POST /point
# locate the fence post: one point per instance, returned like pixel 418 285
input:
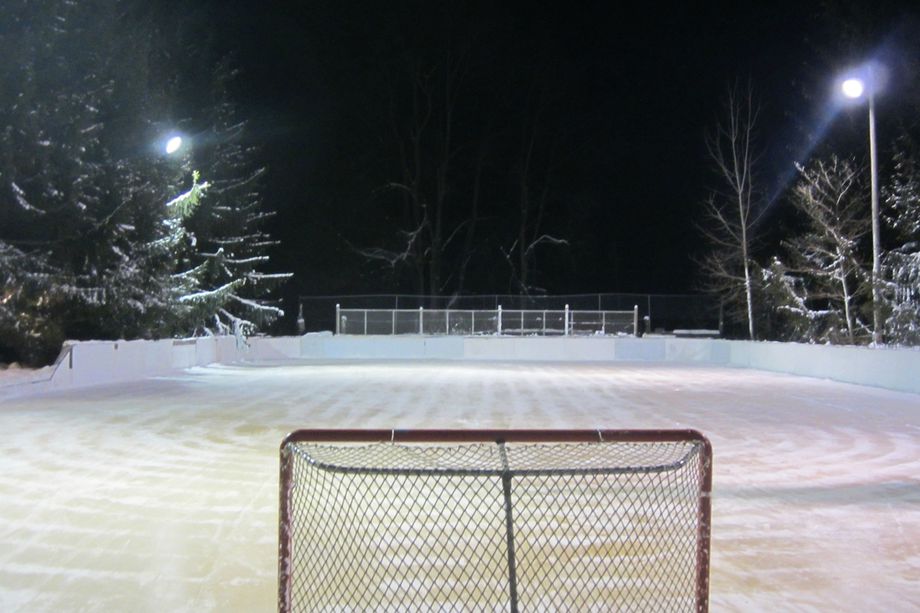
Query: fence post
pixel 394 322
pixel 473 323
pixel 499 320
pixel 338 319
pixel 566 323
pixel 301 324
pixel 636 320
pixel 421 319
pixel 447 321
pixel 365 322
pixel 603 323
pixel 544 323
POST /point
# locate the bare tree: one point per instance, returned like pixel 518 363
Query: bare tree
pixel 533 192
pixel 422 124
pixel 827 256
pixel 734 207
pixel 473 220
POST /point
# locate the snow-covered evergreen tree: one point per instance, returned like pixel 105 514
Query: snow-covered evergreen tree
pixel 161 305
pixel 85 90
pixel 28 300
pixel 54 189
pixel 901 264
pixel 161 288
pixel 232 245
pixel 796 315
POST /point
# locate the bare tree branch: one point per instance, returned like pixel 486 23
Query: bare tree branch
pixel 733 209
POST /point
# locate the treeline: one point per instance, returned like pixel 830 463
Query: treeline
pixel 456 166
pixel 102 234
pixel 820 278
pixel 794 256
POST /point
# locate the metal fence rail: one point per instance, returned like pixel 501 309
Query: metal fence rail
pixel 499 321
pixel 657 312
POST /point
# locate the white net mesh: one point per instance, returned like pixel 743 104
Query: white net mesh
pixel 580 526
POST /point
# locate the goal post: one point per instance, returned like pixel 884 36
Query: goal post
pixel 519 520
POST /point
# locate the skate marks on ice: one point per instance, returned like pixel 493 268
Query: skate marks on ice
pixel 162 494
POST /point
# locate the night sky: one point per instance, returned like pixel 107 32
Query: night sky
pixel 627 94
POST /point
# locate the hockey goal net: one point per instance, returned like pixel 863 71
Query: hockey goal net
pixel 494 520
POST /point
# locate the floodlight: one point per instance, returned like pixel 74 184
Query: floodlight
pixel 173 144
pixel 853 88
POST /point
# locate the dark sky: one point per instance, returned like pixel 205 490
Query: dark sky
pixel 630 93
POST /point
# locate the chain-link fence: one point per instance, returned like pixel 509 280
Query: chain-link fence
pixel 476 322
pixel 512 520
pixel 657 312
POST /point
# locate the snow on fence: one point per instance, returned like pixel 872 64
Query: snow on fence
pixel 473 322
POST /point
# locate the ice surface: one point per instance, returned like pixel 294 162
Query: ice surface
pixel 161 495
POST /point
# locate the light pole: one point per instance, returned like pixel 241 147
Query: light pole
pixel 855 88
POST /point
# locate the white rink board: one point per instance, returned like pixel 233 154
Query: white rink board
pixel 161 494
pixel 87 363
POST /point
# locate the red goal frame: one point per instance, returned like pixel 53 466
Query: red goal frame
pixel 501 436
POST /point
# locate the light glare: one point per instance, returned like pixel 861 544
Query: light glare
pixel 853 88
pixel 173 144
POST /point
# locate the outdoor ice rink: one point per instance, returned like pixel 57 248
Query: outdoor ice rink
pixel 162 495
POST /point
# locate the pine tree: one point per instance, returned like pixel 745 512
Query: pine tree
pixel 85 89
pixel 144 291
pixel 797 315
pixel 232 245
pixel 29 298
pixel 901 264
pixel 54 192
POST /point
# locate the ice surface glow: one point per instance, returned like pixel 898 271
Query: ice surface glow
pixel 162 494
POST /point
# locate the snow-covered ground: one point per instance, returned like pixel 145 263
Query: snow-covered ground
pixel 14 375
pixel 161 495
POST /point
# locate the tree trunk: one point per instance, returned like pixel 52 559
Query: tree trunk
pixel 748 292
pixel 846 304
